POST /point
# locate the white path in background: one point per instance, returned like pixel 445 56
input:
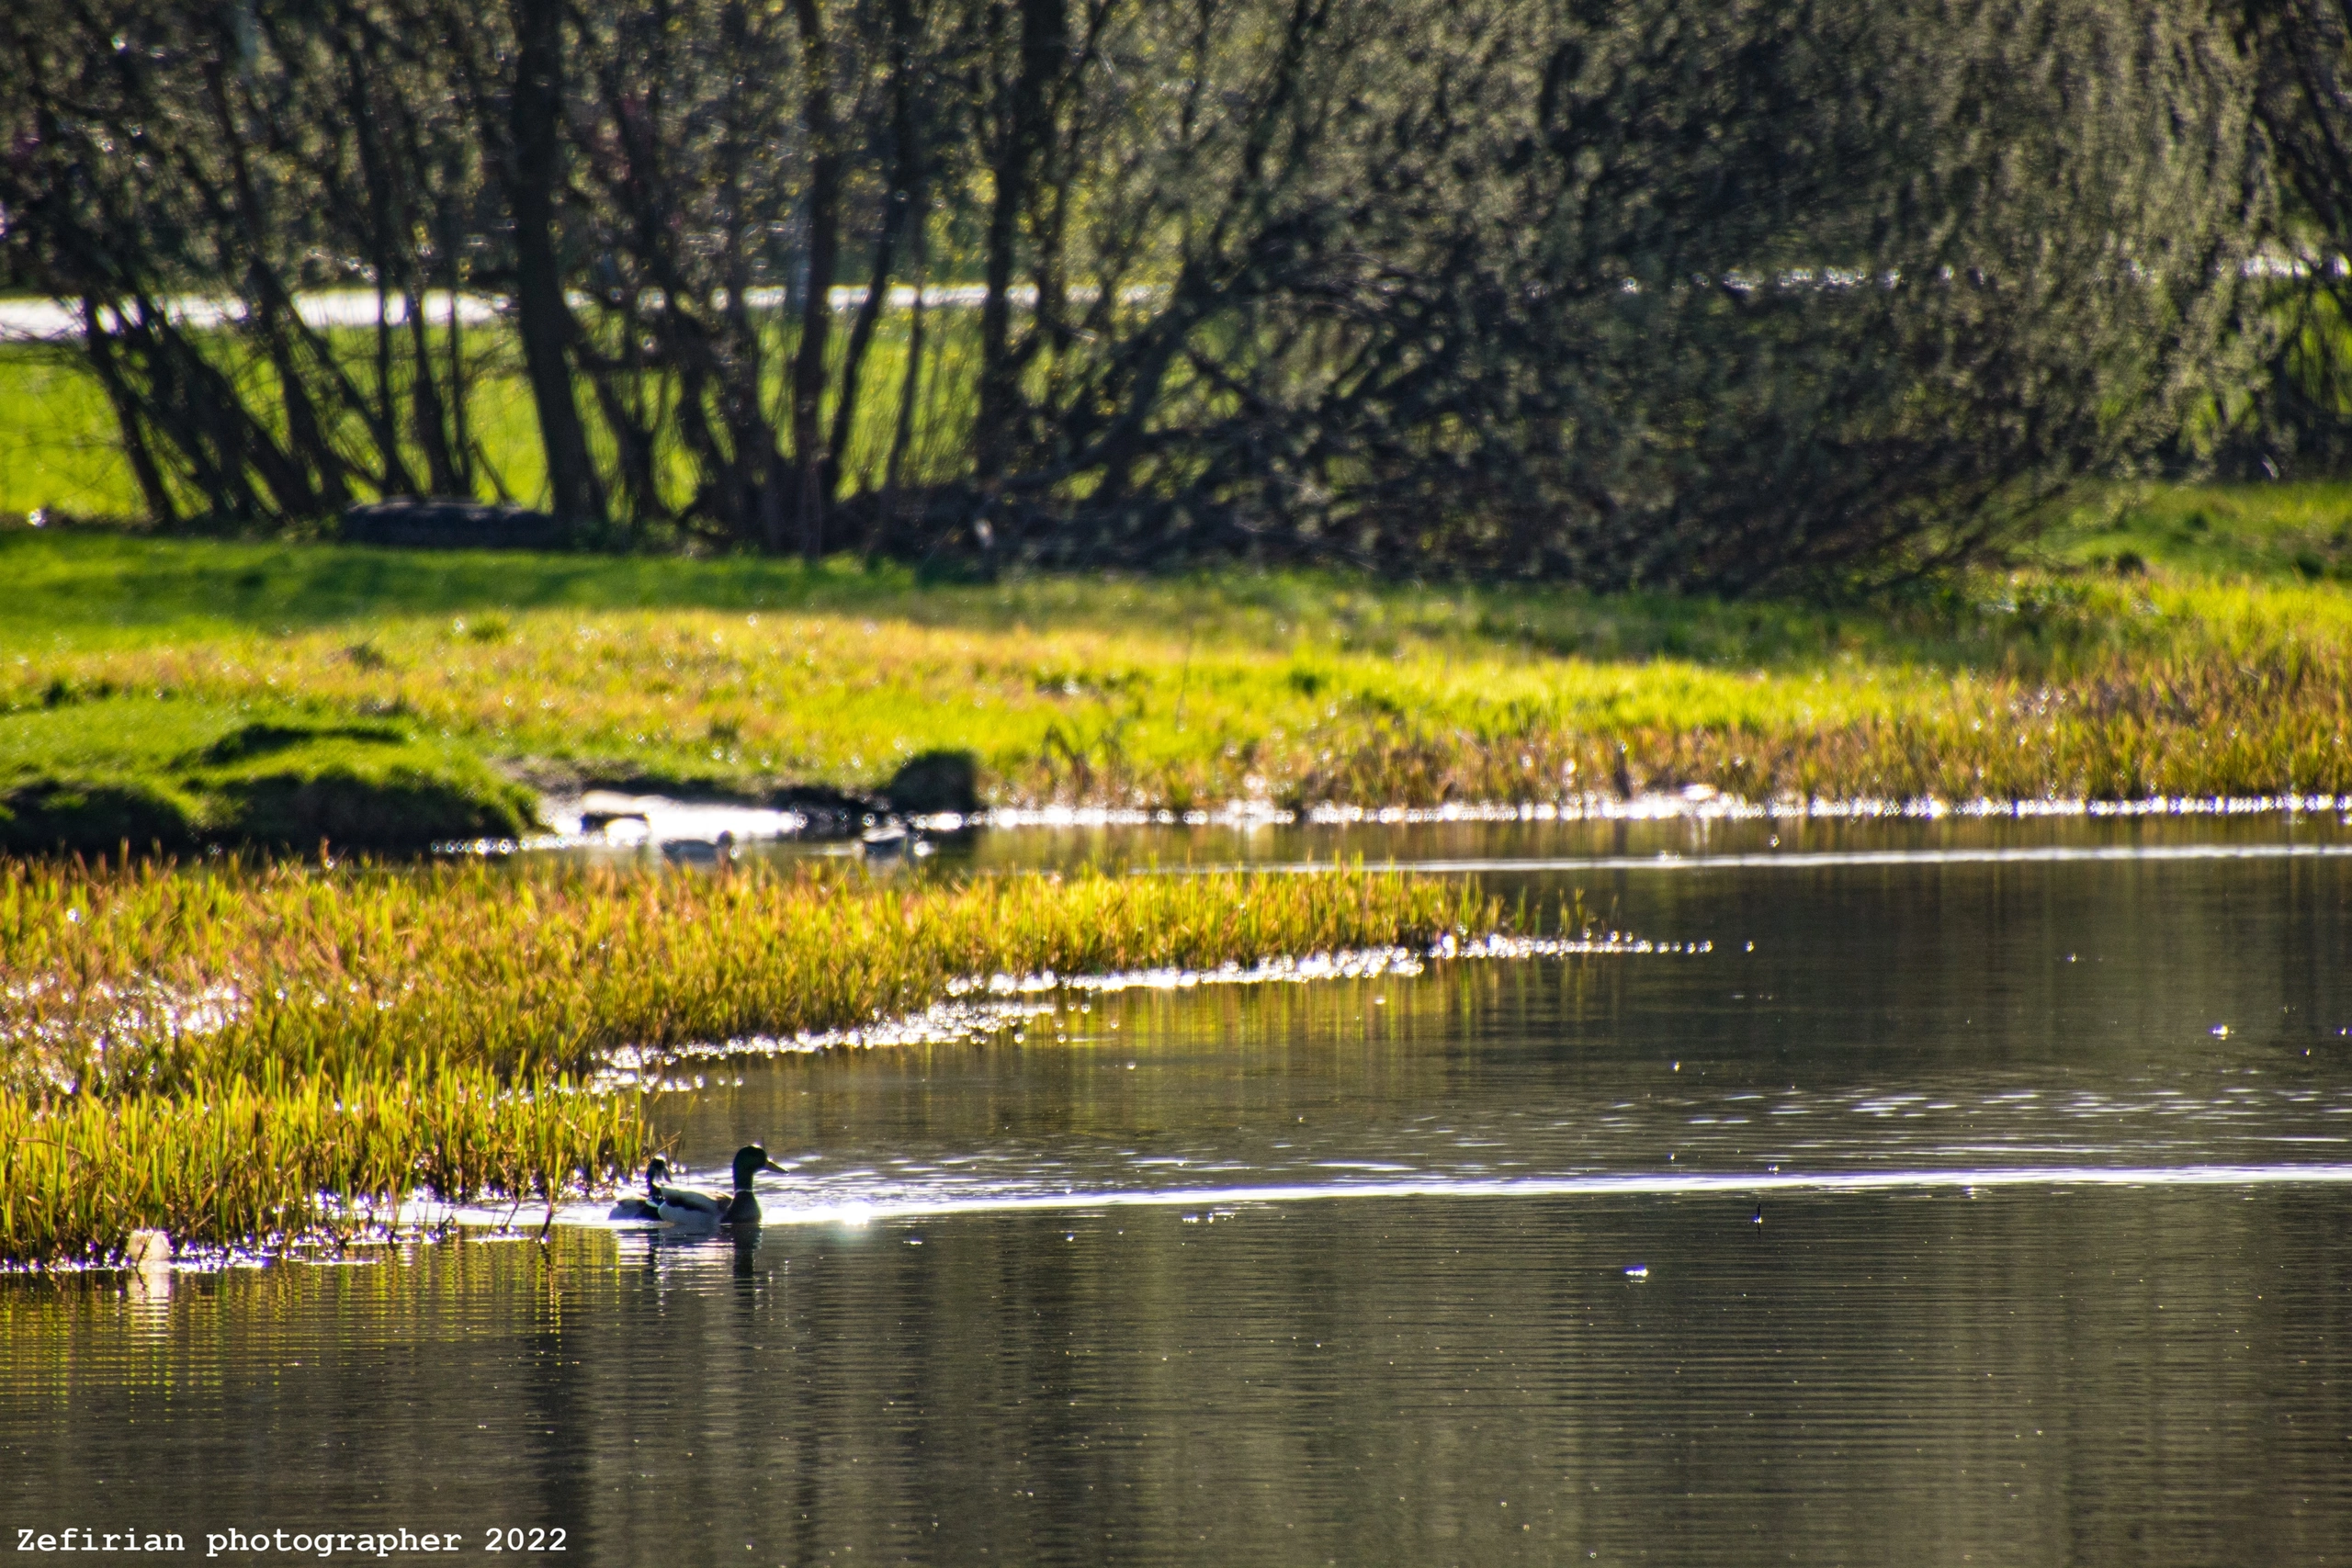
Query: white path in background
pixel 51 321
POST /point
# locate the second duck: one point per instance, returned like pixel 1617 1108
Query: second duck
pixel 684 1206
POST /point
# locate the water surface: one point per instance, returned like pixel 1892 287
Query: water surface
pixel 1982 1210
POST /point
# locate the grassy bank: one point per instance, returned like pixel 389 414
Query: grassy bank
pixel 156 773
pixel 208 1049
pixel 2178 642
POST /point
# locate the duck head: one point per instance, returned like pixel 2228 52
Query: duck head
pixel 657 1171
pixel 750 1160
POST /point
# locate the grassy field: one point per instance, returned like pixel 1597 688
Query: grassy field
pixel 209 1050
pixel 2217 659
pixel 58 435
pixel 2159 640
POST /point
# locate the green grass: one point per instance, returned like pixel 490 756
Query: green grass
pixel 2276 532
pixel 58 433
pixel 98 771
pixel 57 440
pixel 210 1049
pixel 742 675
pixel 283 1159
pixel 206 1049
pixel 2159 640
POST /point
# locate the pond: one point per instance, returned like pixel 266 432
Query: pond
pixel 1917 1207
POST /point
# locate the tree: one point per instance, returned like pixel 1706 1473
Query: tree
pixel 1707 296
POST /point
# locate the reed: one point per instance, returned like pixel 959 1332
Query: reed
pixel 157 979
pixel 267 1159
pixel 212 1048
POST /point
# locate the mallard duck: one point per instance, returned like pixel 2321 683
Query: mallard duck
pixel 887 840
pixel 701 852
pixel 657 1170
pixel 684 1206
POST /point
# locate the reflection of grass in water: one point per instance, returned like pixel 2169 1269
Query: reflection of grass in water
pixel 1236 1053
pixel 166 1034
pixel 739 674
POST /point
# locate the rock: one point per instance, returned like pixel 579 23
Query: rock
pixel 931 784
pixel 831 813
pixel 435 523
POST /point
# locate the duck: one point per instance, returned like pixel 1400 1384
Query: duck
pixel 701 852
pixel 886 839
pixel 657 1171
pixel 684 1206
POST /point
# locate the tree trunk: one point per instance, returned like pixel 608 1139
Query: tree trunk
pixel 824 254
pixel 541 314
pixel 902 205
pixel 1044 49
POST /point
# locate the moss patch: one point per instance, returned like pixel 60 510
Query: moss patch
pixel 89 776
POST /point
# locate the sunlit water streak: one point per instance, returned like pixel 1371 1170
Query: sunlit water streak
pixel 790 1210
pixel 1794 860
pixel 1016 836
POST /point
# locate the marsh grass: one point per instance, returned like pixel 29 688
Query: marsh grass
pixel 238 1161
pixel 740 675
pixel 210 1048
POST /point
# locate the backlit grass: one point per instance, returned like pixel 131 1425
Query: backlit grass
pixel 373 1033
pixel 58 448
pixel 239 1161
pixel 743 675
pixel 2273 531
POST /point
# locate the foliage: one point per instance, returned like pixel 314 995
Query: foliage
pixel 238 1161
pixel 1707 295
pixel 2297 416
pixel 154 979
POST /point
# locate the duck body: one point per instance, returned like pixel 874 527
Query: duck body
pixel 700 851
pixel 885 840
pixel 657 1170
pixel 686 1207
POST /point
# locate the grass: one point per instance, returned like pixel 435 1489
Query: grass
pixel 2275 532
pixel 206 1049
pixel 57 439
pixel 58 433
pixel 154 772
pixel 278 1160
pixel 2169 677
pixel 2161 640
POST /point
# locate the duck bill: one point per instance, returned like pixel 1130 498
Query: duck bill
pixel 780 1170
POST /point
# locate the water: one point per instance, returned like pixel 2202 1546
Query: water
pixel 1988 1211
pixel 1666 830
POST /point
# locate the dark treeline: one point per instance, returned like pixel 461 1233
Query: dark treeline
pixel 1672 293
